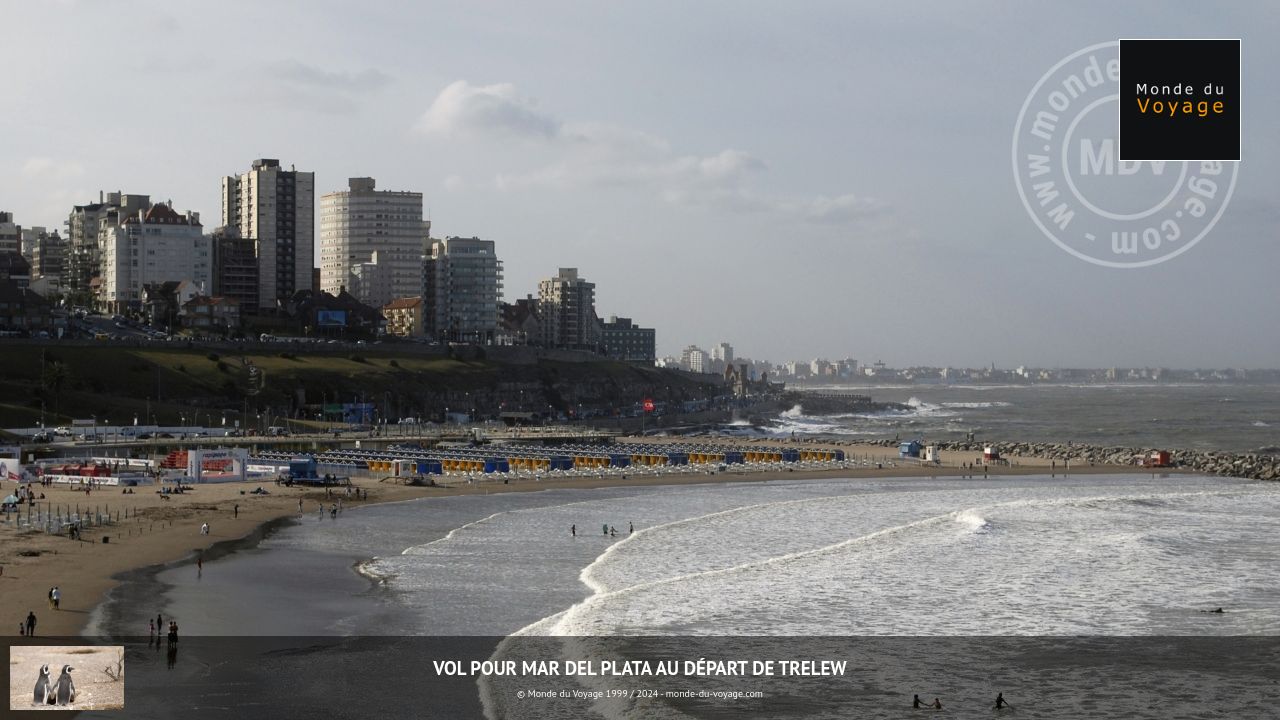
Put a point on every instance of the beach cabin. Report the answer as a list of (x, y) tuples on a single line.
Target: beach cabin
[(909, 449), (1159, 458), (931, 454), (990, 454)]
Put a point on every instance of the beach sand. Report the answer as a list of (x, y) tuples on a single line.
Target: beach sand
[(159, 531)]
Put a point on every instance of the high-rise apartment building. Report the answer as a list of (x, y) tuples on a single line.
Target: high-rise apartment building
[(235, 268), (371, 242), (568, 307), (275, 208), (462, 290)]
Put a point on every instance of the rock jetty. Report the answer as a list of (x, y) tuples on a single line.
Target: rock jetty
[(1256, 466)]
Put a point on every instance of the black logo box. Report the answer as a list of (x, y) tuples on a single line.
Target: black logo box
[(1181, 65)]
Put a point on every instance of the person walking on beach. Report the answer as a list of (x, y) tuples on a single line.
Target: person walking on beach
[(31, 624), (50, 598), (56, 594), (204, 529), (236, 511), (299, 506)]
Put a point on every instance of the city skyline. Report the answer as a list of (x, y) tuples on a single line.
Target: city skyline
[(805, 169)]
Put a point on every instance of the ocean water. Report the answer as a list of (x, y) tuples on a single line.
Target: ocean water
[(1241, 418), (1092, 555), (1026, 555), (771, 569)]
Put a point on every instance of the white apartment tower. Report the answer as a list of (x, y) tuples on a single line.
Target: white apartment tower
[(276, 209), (153, 246), (371, 242)]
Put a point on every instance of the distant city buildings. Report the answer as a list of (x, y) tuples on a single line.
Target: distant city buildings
[(567, 305), (621, 339), (378, 270), (722, 352), (46, 252), (275, 208), (10, 233), (462, 290), (151, 247), (371, 242)]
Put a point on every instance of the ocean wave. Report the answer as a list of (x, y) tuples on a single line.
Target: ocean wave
[(974, 521)]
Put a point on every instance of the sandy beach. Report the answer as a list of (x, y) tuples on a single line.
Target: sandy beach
[(155, 531)]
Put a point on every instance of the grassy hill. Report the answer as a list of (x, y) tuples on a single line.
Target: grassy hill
[(116, 383)]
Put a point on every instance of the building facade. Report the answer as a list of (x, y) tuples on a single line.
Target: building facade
[(235, 269), (405, 317), (567, 305), (10, 233), (152, 247), (275, 208), (462, 289), (622, 339), (364, 226), (86, 225)]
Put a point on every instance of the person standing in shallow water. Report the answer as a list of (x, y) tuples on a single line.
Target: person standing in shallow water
[(573, 530)]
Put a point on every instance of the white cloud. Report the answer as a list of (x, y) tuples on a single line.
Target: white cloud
[(588, 155), (463, 108)]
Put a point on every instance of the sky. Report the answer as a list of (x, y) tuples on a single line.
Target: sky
[(798, 179)]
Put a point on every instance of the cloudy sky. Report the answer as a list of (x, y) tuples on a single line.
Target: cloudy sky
[(799, 179)]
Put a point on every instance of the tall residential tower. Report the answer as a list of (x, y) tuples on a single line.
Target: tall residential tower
[(275, 208), (371, 242)]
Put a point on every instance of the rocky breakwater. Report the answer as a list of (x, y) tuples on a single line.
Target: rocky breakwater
[(1256, 466), (834, 403)]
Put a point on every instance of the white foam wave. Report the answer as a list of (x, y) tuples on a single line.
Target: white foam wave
[(974, 521)]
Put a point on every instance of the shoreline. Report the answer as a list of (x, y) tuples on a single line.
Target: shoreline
[(87, 571)]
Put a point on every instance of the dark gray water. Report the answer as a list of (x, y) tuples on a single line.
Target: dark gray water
[(1229, 417)]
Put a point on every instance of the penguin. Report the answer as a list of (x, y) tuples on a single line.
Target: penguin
[(42, 686), (65, 690)]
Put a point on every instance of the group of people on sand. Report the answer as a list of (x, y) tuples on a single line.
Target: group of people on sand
[(919, 704), (157, 627)]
